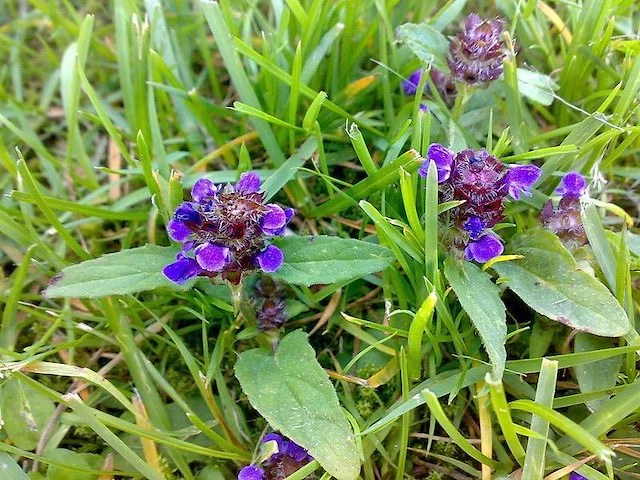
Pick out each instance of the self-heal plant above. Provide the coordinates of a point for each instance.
(477, 52)
(564, 219)
(287, 458)
(225, 230)
(482, 183)
(269, 301)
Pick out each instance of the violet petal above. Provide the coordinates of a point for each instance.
(178, 231)
(295, 451)
(251, 472)
(202, 189)
(474, 226)
(521, 178)
(212, 257)
(443, 157)
(182, 270)
(274, 437)
(410, 85)
(270, 259)
(186, 213)
(573, 185)
(274, 219)
(484, 249)
(576, 476)
(249, 182)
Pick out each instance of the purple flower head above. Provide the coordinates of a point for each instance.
(477, 52)
(443, 158)
(565, 221)
(271, 313)
(224, 231)
(521, 178)
(572, 185)
(479, 179)
(410, 85)
(445, 85)
(484, 248)
(251, 472)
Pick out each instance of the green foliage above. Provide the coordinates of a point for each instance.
(314, 260)
(292, 391)
(549, 281)
(480, 299)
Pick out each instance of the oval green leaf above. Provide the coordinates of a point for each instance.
(313, 260)
(119, 273)
(293, 393)
(480, 298)
(549, 281)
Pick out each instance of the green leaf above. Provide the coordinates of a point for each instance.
(596, 376)
(25, 412)
(427, 43)
(536, 86)
(293, 393)
(77, 466)
(128, 271)
(549, 281)
(11, 468)
(312, 260)
(480, 298)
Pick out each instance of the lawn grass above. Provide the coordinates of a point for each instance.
(109, 111)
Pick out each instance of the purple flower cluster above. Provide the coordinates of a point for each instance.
(224, 231)
(289, 458)
(477, 52)
(476, 56)
(483, 182)
(564, 219)
(576, 476)
(269, 300)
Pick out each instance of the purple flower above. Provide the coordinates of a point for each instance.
(485, 248)
(572, 185)
(270, 259)
(224, 231)
(479, 179)
(576, 476)
(481, 182)
(249, 182)
(410, 85)
(475, 227)
(477, 52)
(203, 189)
(212, 257)
(443, 158)
(520, 180)
(251, 472)
(271, 313)
(565, 221)
(289, 458)
(186, 213)
(182, 270)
